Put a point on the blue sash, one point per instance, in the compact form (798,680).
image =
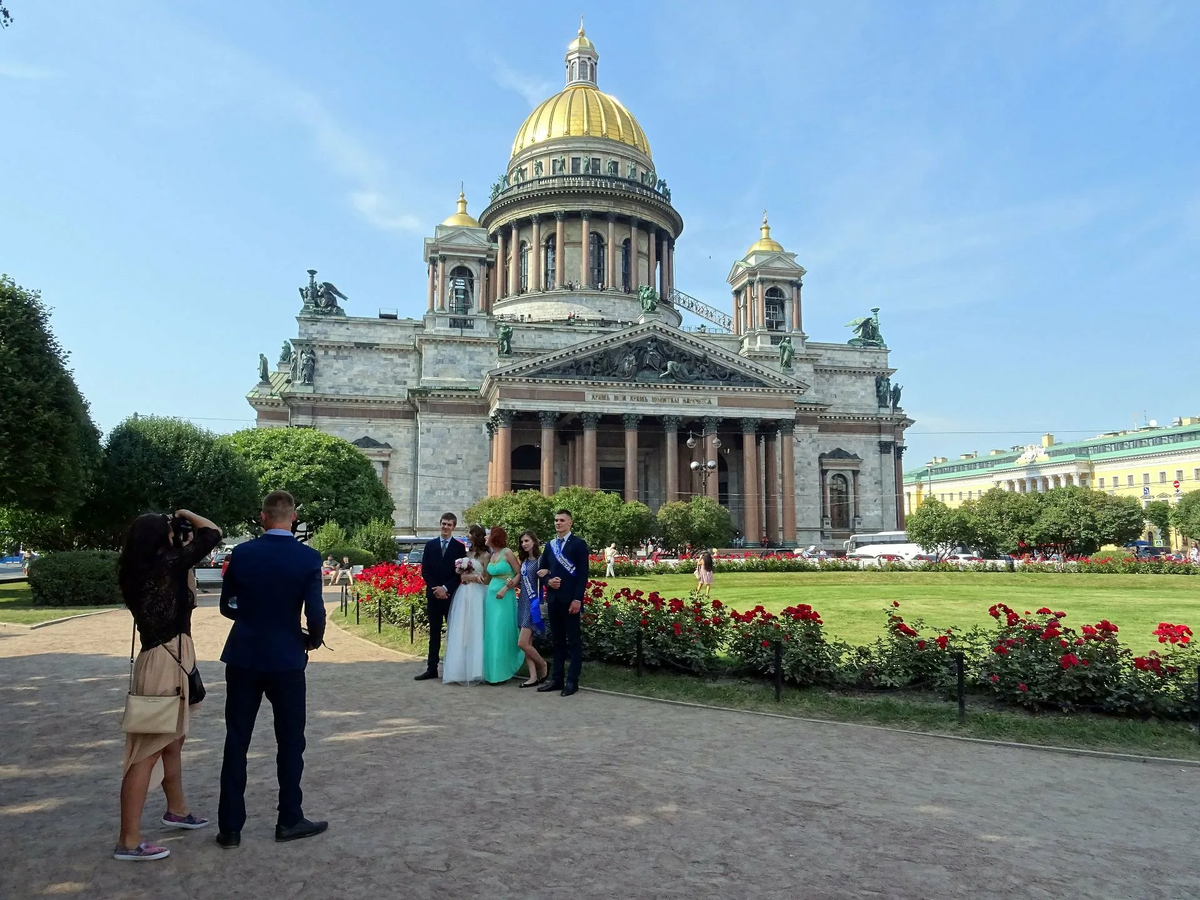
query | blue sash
(535,605)
(556,549)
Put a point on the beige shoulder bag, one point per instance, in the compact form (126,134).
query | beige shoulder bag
(148,714)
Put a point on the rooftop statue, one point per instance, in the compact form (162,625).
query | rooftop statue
(648,297)
(263,370)
(285,355)
(786,352)
(896,389)
(308,365)
(867,333)
(504,340)
(321,299)
(883,390)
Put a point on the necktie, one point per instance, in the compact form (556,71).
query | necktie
(444,545)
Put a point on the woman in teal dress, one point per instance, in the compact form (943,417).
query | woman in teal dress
(501,655)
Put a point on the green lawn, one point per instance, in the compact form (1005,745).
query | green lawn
(16,606)
(850,602)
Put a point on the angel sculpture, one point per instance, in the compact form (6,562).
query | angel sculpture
(648,297)
(867,333)
(321,298)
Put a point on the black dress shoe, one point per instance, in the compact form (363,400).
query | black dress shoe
(229,840)
(301,829)
(570,689)
(425,676)
(550,686)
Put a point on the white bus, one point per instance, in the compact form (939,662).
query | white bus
(884,542)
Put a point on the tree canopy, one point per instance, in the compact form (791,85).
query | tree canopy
(600,517)
(49,446)
(1185,515)
(700,522)
(937,528)
(330,479)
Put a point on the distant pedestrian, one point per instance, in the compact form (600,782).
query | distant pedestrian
(610,558)
(704,574)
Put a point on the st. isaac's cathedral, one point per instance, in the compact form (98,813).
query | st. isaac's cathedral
(551,353)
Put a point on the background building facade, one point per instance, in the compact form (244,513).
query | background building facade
(551,353)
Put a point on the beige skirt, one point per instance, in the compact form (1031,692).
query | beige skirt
(155,672)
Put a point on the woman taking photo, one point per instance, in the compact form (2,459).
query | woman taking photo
(529,614)
(153,572)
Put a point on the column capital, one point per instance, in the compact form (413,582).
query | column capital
(634,222)
(548,418)
(886,447)
(491,429)
(612,217)
(505,417)
(787,427)
(535,218)
(585,213)
(749,426)
(711,424)
(651,228)
(590,420)
(671,423)
(900,448)
(560,215)
(631,421)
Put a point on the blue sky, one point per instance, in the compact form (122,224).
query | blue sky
(1016,185)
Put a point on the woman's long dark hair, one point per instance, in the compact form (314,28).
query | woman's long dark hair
(478,540)
(537,548)
(145,542)
(707,561)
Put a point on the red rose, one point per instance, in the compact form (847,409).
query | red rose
(941,641)
(766,643)
(1022,687)
(645,622)
(678,629)
(995,679)
(616,621)
(920,645)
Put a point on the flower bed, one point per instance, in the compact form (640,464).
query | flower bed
(398,587)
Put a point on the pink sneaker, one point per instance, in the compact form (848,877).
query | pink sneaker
(189,821)
(144,850)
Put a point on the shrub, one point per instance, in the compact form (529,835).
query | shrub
(358,556)
(807,657)
(398,587)
(328,536)
(75,578)
(376,538)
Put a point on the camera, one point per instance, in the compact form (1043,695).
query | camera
(181,530)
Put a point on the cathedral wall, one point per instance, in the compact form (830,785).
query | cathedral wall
(366,372)
(452,459)
(452,361)
(401,434)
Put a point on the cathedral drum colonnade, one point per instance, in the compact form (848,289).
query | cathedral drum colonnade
(552,353)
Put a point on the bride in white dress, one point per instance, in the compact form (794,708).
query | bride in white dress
(463,663)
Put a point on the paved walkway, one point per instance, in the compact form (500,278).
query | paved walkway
(493,792)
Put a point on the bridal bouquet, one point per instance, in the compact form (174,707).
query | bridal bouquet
(464,565)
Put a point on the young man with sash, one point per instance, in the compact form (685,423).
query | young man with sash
(564,570)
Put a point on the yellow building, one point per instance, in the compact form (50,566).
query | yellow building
(1149,463)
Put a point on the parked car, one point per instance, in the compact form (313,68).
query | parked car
(413,557)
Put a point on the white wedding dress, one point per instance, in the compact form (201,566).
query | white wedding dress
(463,663)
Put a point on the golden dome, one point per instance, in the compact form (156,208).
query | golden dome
(581,41)
(765,244)
(581,110)
(461,218)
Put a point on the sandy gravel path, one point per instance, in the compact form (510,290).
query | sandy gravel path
(493,792)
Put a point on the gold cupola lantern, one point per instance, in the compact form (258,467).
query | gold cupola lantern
(461,218)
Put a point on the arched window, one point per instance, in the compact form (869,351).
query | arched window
(839,502)
(550,263)
(599,265)
(523,268)
(774,303)
(574,70)
(462,289)
(626,267)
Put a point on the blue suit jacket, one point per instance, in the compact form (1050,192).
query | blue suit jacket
(573,586)
(272,578)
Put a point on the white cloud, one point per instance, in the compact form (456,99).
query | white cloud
(532,89)
(381,213)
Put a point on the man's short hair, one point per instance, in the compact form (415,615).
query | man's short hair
(279,506)
(451,516)
(565,512)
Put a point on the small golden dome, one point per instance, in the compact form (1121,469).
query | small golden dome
(581,110)
(461,218)
(765,244)
(581,41)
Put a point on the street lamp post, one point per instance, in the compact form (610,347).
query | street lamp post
(707,468)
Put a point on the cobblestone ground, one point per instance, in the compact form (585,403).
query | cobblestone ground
(495,792)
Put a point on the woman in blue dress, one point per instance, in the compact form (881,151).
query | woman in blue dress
(529,611)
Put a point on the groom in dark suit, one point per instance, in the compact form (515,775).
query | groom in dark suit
(564,570)
(441,580)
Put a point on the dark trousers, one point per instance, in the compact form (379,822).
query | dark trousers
(244,690)
(564,631)
(438,611)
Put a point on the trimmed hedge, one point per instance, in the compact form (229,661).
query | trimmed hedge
(75,578)
(358,556)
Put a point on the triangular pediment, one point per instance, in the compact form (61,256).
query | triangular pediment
(650,354)
(462,236)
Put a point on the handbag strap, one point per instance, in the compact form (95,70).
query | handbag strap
(132,641)
(178,659)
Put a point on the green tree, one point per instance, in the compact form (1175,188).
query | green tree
(634,524)
(155,464)
(1185,515)
(514,512)
(49,447)
(1002,521)
(328,536)
(938,529)
(675,524)
(330,479)
(376,537)
(1066,522)
(711,524)
(1119,520)
(1158,514)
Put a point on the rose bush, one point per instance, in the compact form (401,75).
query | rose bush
(398,587)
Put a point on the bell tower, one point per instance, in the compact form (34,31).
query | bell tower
(766,286)
(460,259)
(581,59)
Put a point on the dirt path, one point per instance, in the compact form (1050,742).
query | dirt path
(493,792)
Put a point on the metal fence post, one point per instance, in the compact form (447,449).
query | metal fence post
(412,624)
(1198,701)
(356,608)
(379,615)
(639,653)
(778,671)
(959,668)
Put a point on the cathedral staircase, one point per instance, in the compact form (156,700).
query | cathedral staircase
(699,308)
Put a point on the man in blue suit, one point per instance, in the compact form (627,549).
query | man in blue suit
(564,570)
(268,582)
(441,581)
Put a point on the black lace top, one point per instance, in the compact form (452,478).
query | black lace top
(165,602)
